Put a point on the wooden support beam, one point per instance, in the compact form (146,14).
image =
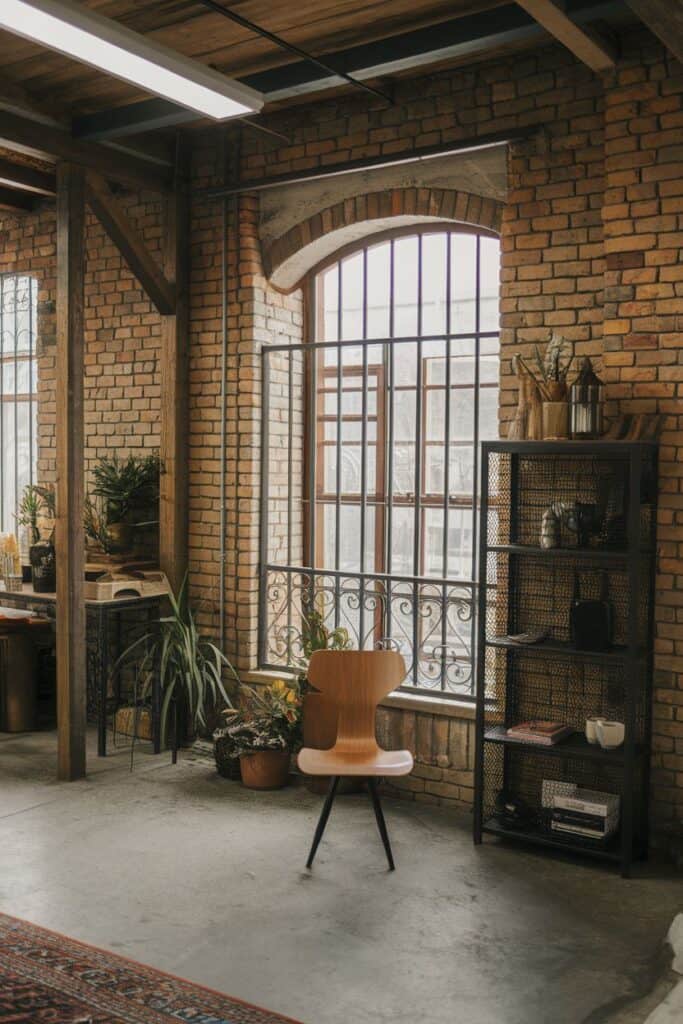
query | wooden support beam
(584,43)
(44,140)
(129,243)
(665,19)
(173,522)
(69,544)
(27,179)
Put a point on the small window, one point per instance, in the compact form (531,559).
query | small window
(18,393)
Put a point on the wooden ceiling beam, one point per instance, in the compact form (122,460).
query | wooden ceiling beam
(44,140)
(26,179)
(129,243)
(586,44)
(665,19)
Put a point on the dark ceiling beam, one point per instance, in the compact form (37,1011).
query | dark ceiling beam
(26,179)
(15,99)
(44,141)
(451,40)
(17,202)
(665,19)
(586,44)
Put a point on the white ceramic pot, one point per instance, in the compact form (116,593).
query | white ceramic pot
(610,734)
(592,728)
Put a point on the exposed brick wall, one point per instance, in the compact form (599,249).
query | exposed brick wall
(591,247)
(121,333)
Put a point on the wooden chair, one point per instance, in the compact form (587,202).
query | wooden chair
(356,681)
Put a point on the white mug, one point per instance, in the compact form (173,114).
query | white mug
(610,734)
(591,728)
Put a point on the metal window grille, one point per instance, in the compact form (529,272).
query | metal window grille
(18,393)
(370,466)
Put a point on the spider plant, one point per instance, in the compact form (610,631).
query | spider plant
(189,665)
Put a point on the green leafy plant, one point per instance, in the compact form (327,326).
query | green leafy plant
(128,488)
(38,502)
(266,720)
(190,666)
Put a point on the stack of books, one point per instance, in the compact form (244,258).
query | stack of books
(589,814)
(544,733)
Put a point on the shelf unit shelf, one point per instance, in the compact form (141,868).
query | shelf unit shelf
(524,587)
(573,746)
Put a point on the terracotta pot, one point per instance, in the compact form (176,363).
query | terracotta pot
(265,769)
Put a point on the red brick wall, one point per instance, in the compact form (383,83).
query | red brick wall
(591,241)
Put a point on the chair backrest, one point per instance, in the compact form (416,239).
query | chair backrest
(356,681)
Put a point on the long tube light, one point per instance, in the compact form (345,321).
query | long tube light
(92,39)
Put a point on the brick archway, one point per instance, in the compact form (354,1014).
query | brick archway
(288,258)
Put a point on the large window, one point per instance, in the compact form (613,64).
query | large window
(18,384)
(371,466)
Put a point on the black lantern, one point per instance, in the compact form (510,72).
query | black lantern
(585,404)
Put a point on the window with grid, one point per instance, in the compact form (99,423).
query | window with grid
(18,393)
(370,459)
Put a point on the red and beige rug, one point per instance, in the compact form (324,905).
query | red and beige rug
(46,978)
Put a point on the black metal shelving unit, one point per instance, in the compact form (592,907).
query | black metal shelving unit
(526,587)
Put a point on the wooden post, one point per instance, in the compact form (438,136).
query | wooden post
(173,517)
(69,540)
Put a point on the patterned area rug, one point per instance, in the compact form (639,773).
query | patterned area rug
(46,978)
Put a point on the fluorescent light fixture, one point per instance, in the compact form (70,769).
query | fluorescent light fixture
(102,43)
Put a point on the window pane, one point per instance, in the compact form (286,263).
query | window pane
(463,283)
(489,257)
(402,533)
(329,291)
(379,264)
(405,287)
(352,298)
(434,284)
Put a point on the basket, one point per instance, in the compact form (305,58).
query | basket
(227,764)
(125,723)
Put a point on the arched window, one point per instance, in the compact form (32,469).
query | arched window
(399,383)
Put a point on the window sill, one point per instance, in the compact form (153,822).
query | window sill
(430,705)
(400,699)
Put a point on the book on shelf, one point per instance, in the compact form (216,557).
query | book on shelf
(539,731)
(587,821)
(587,801)
(582,833)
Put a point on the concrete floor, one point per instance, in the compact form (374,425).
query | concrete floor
(195,875)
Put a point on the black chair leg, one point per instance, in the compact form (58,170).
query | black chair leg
(381,824)
(320,828)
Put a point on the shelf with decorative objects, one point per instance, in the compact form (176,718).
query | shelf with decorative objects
(565,645)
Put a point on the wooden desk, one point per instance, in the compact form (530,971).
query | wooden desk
(99,617)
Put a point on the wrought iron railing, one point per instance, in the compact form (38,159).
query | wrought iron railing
(430,621)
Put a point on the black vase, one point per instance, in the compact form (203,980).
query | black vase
(43,567)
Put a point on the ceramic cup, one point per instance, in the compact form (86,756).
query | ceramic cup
(591,728)
(610,734)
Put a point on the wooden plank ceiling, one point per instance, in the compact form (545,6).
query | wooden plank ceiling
(188,26)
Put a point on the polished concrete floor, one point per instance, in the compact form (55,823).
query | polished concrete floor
(193,874)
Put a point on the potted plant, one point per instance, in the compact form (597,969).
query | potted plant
(190,667)
(263,734)
(129,492)
(36,513)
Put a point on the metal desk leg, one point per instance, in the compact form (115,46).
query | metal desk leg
(102,679)
(153,614)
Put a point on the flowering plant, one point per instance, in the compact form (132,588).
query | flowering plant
(269,720)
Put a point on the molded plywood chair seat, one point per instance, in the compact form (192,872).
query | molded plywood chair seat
(356,681)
